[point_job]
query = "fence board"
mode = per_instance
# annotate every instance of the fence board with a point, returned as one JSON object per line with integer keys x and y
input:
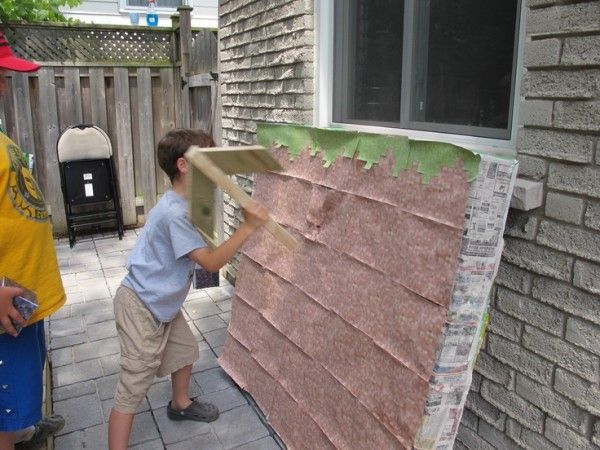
{"x": 22, "y": 102}
{"x": 146, "y": 138}
{"x": 48, "y": 108}
{"x": 165, "y": 117}
{"x": 98, "y": 92}
{"x": 124, "y": 145}
{"x": 72, "y": 101}
{"x": 201, "y": 108}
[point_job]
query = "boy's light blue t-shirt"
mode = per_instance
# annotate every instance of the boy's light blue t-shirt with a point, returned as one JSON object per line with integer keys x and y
{"x": 159, "y": 270}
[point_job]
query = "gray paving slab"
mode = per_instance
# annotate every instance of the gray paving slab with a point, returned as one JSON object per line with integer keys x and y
{"x": 216, "y": 338}
{"x": 156, "y": 444}
{"x": 225, "y": 305}
{"x": 106, "y": 386}
{"x": 110, "y": 364}
{"x": 225, "y": 400}
{"x": 219, "y": 293}
{"x": 66, "y": 327}
{"x": 74, "y": 390}
{"x": 71, "y": 441}
{"x": 101, "y": 330}
{"x": 267, "y": 443}
{"x": 62, "y": 356}
{"x": 76, "y": 372}
{"x": 210, "y": 323}
{"x": 206, "y": 360}
{"x": 199, "y": 308}
{"x": 208, "y": 441}
{"x": 79, "y": 412}
{"x": 96, "y": 349}
{"x": 239, "y": 426}
{"x": 213, "y": 380}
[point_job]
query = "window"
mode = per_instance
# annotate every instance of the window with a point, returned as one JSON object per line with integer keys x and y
{"x": 167, "y": 4}
{"x": 446, "y": 66}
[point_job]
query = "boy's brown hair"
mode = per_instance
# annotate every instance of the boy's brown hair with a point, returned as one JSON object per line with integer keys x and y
{"x": 174, "y": 145}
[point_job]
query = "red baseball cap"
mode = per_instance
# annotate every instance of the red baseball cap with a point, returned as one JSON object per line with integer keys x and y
{"x": 9, "y": 61}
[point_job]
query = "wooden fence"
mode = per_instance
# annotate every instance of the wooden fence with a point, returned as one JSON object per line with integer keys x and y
{"x": 135, "y": 83}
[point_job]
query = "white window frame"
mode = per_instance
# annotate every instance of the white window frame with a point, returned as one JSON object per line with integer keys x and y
{"x": 323, "y": 105}
{"x": 124, "y": 8}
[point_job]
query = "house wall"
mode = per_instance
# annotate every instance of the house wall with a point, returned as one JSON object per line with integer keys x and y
{"x": 536, "y": 382}
{"x": 267, "y": 68}
{"x": 110, "y": 12}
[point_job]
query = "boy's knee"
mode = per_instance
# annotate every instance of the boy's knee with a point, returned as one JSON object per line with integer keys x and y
{"x": 135, "y": 380}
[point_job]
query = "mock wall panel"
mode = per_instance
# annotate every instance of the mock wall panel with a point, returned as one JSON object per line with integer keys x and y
{"x": 342, "y": 342}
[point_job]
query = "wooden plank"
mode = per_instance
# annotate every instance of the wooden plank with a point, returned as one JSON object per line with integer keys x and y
{"x": 164, "y": 120}
{"x": 179, "y": 108}
{"x": 185, "y": 40}
{"x": 243, "y": 159}
{"x": 202, "y": 205}
{"x": 201, "y": 160}
{"x": 98, "y": 93}
{"x": 200, "y": 106}
{"x": 124, "y": 142}
{"x": 39, "y": 169}
{"x": 217, "y": 130}
{"x": 135, "y": 139}
{"x": 86, "y": 99}
{"x": 48, "y": 108}
{"x": 23, "y": 117}
{"x": 72, "y": 93}
{"x": 148, "y": 181}
{"x": 9, "y": 110}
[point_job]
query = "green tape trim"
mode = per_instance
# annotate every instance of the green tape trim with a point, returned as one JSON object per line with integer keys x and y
{"x": 428, "y": 157}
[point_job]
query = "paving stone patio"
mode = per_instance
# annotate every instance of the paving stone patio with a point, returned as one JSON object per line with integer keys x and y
{"x": 84, "y": 352}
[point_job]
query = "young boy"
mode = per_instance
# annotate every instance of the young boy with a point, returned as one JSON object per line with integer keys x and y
{"x": 155, "y": 338}
{"x": 26, "y": 256}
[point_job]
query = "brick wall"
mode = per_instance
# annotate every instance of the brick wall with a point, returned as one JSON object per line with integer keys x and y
{"x": 267, "y": 65}
{"x": 536, "y": 381}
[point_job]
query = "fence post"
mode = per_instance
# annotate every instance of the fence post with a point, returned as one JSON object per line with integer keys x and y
{"x": 185, "y": 44}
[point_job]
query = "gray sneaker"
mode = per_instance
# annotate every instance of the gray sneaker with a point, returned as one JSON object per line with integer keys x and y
{"x": 43, "y": 430}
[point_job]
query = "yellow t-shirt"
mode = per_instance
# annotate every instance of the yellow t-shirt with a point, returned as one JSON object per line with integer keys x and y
{"x": 27, "y": 253}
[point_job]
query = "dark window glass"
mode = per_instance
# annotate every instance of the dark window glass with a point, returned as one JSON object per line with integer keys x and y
{"x": 433, "y": 65}
{"x": 465, "y": 66}
{"x": 371, "y": 60}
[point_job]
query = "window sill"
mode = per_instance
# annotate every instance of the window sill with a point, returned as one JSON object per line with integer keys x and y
{"x": 473, "y": 143}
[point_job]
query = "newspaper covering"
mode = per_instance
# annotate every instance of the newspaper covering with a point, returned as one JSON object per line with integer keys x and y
{"x": 485, "y": 217}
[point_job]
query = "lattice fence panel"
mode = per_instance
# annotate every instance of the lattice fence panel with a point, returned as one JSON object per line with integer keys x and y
{"x": 93, "y": 46}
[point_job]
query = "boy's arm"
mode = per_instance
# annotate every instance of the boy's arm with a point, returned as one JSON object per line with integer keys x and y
{"x": 255, "y": 216}
{"x": 8, "y": 312}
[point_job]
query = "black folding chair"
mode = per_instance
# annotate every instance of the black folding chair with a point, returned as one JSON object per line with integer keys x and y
{"x": 88, "y": 180}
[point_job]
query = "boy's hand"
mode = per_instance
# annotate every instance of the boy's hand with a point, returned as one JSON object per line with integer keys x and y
{"x": 255, "y": 215}
{"x": 8, "y": 313}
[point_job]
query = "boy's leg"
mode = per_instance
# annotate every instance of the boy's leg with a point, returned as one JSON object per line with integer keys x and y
{"x": 180, "y": 354}
{"x": 180, "y": 382}
{"x": 7, "y": 440}
{"x": 142, "y": 344}
{"x": 119, "y": 430}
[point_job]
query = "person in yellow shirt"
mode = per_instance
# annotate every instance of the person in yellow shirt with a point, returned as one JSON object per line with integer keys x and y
{"x": 27, "y": 257}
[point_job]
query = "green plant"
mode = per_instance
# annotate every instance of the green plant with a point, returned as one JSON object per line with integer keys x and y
{"x": 31, "y": 11}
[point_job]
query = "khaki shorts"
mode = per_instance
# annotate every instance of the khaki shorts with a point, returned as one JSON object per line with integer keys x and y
{"x": 148, "y": 348}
